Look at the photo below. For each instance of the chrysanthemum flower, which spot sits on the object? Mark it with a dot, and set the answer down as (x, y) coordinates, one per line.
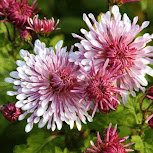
(114, 38)
(11, 112)
(44, 82)
(112, 143)
(101, 89)
(5, 4)
(44, 27)
(17, 12)
(149, 120)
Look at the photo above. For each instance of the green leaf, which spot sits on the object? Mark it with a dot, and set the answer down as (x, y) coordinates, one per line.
(58, 150)
(148, 140)
(144, 5)
(139, 145)
(41, 142)
(56, 39)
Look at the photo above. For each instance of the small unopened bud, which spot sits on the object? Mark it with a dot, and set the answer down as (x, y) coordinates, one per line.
(25, 35)
(149, 93)
(11, 113)
(149, 120)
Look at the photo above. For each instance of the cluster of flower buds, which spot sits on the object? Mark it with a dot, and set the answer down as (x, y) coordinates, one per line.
(112, 143)
(19, 13)
(10, 112)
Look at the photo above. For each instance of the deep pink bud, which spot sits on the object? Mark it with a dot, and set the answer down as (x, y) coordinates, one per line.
(26, 35)
(149, 120)
(149, 93)
(11, 113)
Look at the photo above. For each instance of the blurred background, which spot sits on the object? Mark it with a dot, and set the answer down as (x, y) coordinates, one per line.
(12, 134)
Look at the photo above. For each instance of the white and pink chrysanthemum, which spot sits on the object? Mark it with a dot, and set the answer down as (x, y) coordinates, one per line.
(112, 143)
(100, 88)
(44, 82)
(114, 38)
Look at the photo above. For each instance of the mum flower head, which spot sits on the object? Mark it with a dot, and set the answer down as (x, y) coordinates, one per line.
(44, 27)
(114, 38)
(101, 89)
(43, 84)
(18, 13)
(112, 143)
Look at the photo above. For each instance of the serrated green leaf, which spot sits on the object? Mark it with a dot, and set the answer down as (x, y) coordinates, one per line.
(139, 145)
(40, 143)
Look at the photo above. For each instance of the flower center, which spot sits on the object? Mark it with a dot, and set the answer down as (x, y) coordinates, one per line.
(121, 55)
(97, 89)
(62, 81)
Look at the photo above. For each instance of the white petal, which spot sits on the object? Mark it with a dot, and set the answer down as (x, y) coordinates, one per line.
(21, 117)
(145, 24)
(115, 11)
(20, 63)
(78, 124)
(19, 104)
(11, 93)
(14, 74)
(23, 53)
(71, 124)
(59, 124)
(41, 111)
(59, 45)
(28, 127)
(9, 80)
(21, 96)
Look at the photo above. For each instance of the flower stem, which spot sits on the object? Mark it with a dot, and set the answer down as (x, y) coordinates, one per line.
(31, 45)
(8, 33)
(144, 116)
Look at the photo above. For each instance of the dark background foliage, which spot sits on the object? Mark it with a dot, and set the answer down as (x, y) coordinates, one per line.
(12, 135)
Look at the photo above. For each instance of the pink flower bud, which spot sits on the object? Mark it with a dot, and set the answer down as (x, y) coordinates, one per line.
(26, 35)
(149, 93)
(149, 120)
(11, 113)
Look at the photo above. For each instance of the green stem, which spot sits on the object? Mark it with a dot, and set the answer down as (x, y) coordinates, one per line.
(31, 45)
(1, 108)
(141, 100)
(8, 33)
(144, 118)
